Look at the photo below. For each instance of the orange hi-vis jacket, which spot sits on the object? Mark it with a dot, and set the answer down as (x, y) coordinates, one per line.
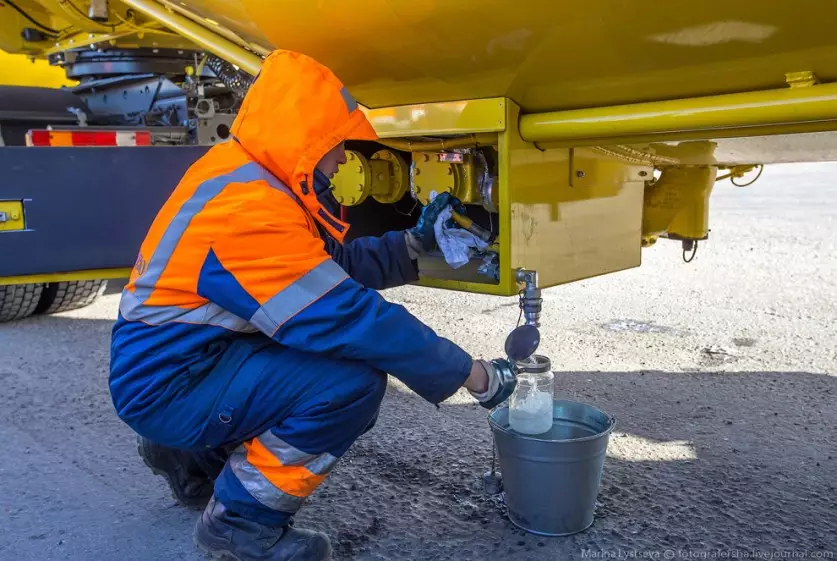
(244, 246)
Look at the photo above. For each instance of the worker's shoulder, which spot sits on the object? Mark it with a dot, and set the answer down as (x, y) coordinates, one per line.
(257, 204)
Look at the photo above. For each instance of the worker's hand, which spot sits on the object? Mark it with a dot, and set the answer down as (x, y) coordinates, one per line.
(491, 382)
(423, 237)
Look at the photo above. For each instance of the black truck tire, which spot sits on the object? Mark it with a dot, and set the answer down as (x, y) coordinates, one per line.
(70, 295)
(18, 301)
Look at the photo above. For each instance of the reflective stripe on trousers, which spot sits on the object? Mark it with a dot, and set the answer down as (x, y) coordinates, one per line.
(278, 475)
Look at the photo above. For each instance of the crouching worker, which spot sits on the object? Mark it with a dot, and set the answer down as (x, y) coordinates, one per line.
(252, 348)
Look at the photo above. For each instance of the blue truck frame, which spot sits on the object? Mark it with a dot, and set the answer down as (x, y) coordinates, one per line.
(85, 208)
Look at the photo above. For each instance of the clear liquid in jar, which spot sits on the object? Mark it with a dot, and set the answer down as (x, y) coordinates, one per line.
(532, 414)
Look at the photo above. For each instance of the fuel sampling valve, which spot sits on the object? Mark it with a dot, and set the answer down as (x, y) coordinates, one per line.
(521, 343)
(530, 297)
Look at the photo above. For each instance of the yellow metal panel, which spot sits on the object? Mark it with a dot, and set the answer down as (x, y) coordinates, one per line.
(464, 286)
(11, 216)
(230, 14)
(430, 119)
(20, 70)
(92, 274)
(545, 55)
(548, 55)
(568, 214)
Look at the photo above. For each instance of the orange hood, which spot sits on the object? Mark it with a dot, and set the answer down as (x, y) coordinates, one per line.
(295, 112)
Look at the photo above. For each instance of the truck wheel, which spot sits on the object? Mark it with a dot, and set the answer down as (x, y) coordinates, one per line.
(18, 301)
(70, 295)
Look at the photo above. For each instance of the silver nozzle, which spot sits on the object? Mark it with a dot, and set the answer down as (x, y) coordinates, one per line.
(530, 297)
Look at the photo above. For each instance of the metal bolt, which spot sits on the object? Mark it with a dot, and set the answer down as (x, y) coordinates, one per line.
(351, 156)
(380, 177)
(450, 170)
(579, 174)
(643, 173)
(375, 156)
(15, 215)
(417, 171)
(340, 199)
(426, 158)
(360, 169)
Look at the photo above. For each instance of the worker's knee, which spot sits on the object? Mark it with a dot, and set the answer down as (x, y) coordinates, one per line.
(342, 408)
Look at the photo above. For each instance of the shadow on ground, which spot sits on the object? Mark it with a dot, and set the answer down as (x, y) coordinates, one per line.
(699, 461)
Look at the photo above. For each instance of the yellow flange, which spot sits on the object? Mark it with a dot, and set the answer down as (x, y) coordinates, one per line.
(384, 176)
(350, 185)
(451, 172)
(390, 176)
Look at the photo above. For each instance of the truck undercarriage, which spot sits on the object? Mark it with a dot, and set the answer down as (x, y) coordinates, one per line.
(569, 174)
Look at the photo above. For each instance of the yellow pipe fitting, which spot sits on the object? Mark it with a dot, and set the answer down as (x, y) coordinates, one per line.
(741, 114)
(470, 141)
(736, 172)
(677, 204)
(200, 35)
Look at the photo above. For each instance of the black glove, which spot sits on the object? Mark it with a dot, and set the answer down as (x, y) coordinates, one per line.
(422, 232)
(501, 382)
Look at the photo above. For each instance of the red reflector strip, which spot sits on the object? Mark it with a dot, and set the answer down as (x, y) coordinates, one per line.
(88, 138)
(94, 139)
(37, 138)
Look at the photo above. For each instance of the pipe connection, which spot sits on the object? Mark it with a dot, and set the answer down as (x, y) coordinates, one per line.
(530, 297)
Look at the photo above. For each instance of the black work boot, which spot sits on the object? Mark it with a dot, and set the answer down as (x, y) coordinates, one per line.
(222, 533)
(190, 485)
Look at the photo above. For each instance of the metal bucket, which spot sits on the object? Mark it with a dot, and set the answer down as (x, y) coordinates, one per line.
(551, 480)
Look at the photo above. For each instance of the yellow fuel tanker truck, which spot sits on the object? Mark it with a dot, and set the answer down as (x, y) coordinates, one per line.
(576, 133)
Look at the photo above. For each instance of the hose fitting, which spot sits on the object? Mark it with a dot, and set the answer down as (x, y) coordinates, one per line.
(530, 297)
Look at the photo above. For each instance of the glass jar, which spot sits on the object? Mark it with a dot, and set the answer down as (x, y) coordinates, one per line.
(530, 406)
